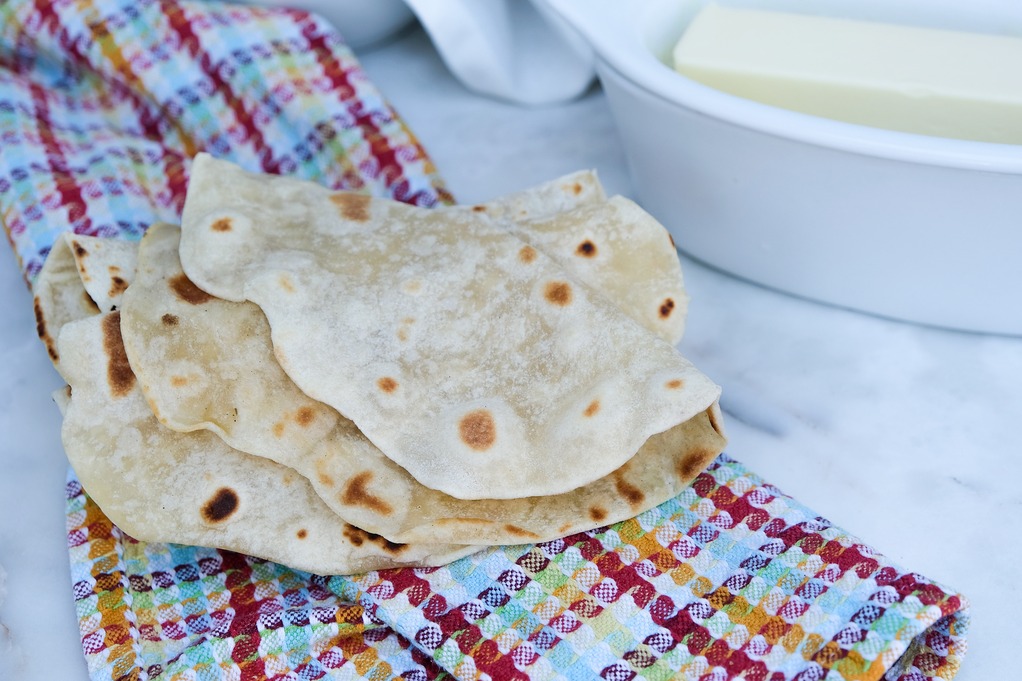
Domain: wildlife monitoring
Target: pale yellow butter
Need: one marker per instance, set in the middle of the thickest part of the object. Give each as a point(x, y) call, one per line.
point(928, 81)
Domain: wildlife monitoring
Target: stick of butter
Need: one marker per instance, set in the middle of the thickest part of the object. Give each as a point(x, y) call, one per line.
point(927, 81)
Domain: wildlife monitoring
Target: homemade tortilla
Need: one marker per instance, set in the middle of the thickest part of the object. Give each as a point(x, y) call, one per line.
point(489, 355)
point(82, 276)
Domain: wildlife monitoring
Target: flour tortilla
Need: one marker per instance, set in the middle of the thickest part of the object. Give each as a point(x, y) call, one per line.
point(204, 362)
point(59, 297)
point(82, 276)
point(158, 485)
point(485, 351)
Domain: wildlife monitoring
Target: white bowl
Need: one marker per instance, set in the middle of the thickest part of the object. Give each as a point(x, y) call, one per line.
point(362, 23)
point(919, 228)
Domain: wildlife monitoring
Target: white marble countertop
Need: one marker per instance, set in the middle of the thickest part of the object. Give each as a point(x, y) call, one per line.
point(900, 434)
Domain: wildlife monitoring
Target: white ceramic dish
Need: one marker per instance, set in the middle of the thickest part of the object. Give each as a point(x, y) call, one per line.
point(907, 226)
point(363, 24)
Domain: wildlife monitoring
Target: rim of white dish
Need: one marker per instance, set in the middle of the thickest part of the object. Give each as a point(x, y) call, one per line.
point(625, 52)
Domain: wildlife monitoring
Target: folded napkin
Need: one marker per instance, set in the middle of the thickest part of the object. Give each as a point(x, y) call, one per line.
point(102, 104)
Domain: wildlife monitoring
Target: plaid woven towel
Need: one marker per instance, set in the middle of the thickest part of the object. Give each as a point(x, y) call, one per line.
point(102, 103)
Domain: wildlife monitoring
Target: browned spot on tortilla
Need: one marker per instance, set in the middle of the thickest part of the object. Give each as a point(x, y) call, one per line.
point(478, 430)
point(184, 289)
point(325, 479)
point(520, 532)
point(356, 494)
point(527, 254)
point(387, 384)
point(358, 536)
point(222, 225)
point(169, 319)
point(353, 207)
point(113, 269)
point(666, 308)
point(305, 416)
point(593, 407)
point(674, 383)
point(671, 239)
point(558, 292)
point(690, 465)
point(221, 505)
point(118, 372)
point(278, 429)
point(586, 249)
point(302, 533)
point(79, 249)
point(402, 334)
point(629, 492)
point(117, 286)
point(178, 381)
point(41, 331)
point(479, 209)
point(563, 528)
point(577, 188)
point(286, 283)
point(597, 513)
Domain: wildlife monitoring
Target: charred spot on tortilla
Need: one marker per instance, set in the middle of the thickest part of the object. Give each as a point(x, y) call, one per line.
point(693, 463)
point(79, 249)
point(305, 416)
point(169, 319)
point(356, 494)
point(576, 188)
point(118, 372)
point(558, 293)
point(593, 407)
point(527, 254)
point(186, 290)
point(286, 283)
point(674, 384)
point(354, 207)
point(586, 249)
point(597, 514)
point(117, 286)
point(221, 505)
point(44, 335)
point(302, 533)
point(666, 308)
point(387, 384)
point(520, 532)
point(357, 536)
point(629, 492)
point(479, 209)
point(478, 429)
point(222, 225)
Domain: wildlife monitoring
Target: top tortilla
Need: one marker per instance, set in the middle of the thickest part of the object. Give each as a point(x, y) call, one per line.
point(509, 377)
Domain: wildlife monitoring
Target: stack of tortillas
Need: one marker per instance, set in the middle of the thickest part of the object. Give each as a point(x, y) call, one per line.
point(342, 383)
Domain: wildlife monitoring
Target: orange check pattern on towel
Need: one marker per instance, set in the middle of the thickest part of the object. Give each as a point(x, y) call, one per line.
point(102, 104)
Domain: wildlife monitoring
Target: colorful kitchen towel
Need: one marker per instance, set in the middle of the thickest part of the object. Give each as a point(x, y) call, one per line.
point(102, 104)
